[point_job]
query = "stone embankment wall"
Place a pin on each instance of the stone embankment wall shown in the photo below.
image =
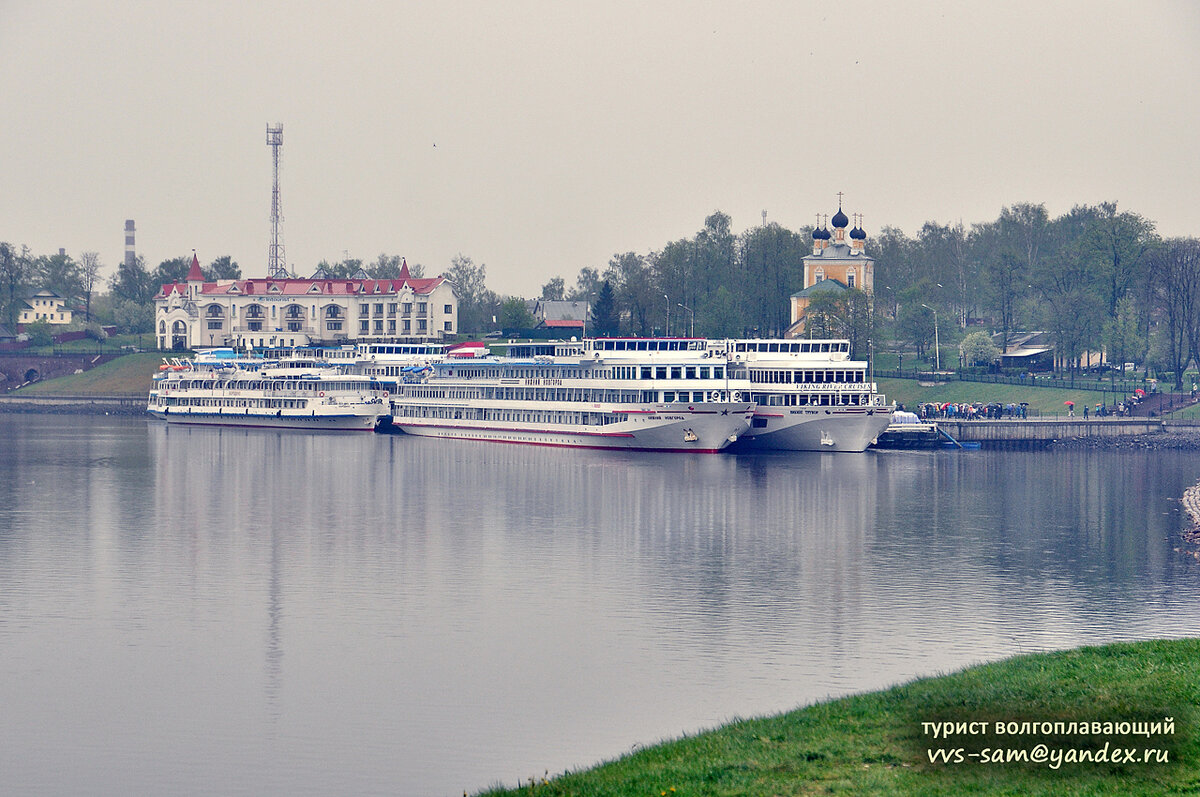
(87, 405)
(19, 369)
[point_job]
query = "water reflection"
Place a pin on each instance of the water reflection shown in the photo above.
(248, 611)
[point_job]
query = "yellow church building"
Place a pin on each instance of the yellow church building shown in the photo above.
(835, 265)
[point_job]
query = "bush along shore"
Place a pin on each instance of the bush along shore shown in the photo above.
(1111, 720)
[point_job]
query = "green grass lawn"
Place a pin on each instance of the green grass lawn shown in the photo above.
(1042, 400)
(128, 375)
(876, 744)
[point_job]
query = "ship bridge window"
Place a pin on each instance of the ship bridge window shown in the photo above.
(704, 369)
(689, 372)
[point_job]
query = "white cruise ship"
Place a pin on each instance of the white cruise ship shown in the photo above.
(219, 387)
(809, 395)
(637, 394)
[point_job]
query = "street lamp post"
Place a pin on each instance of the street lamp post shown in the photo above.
(692, 321)
(668, 298)
(937, 349)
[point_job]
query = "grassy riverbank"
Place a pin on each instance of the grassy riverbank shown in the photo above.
(875, 744)
(129, 375)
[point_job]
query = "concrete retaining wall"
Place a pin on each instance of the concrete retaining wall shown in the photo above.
(1047, 429)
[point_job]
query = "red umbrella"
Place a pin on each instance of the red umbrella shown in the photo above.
(1140, 392)
(1069, 403)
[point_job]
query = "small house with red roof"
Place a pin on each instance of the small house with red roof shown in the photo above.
(269, 312)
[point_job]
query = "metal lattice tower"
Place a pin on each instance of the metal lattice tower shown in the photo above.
(276, 262)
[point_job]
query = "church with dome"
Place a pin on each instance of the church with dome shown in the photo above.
(835, 266)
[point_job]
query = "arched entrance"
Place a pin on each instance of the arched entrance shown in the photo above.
(179, 336)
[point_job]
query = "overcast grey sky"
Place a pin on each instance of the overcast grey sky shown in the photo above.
(540, 137)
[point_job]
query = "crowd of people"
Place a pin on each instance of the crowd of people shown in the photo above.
(973, 411)
(979, 410)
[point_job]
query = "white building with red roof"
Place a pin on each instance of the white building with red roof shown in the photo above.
(267, 312)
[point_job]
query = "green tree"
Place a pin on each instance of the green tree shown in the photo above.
(915, 324)
(60, 273)
(723, 315)
(1119, 244)
(133, 317)
(1123, 336)
(386, 267)
(606, 322)
(134, 283)
(636, 291)
(39, 333)
(172, 271)
(14, 272)
(554, 290)
(89, 275)
(223, 268)
(770, 268)
(897, 267)
(476, 304)
(978, 349)
(1175, 266)
(587, 285)
(514, 314)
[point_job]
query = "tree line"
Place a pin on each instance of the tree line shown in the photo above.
(1096, 279)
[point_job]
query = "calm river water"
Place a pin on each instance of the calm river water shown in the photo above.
(254, 612)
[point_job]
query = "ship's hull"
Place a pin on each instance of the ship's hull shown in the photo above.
(814, 428)
(660, 429)
(347, 422)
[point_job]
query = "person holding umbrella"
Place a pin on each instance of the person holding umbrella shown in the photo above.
(1070, 408)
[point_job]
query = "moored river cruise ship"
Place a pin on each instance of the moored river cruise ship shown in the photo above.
(809, 395)
(649, 395)
(219, 387)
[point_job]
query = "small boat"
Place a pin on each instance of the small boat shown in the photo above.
(908, 431)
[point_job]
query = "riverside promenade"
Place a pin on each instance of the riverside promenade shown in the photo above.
(1041, 431)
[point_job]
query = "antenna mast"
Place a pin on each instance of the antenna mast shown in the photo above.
(276, 262)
